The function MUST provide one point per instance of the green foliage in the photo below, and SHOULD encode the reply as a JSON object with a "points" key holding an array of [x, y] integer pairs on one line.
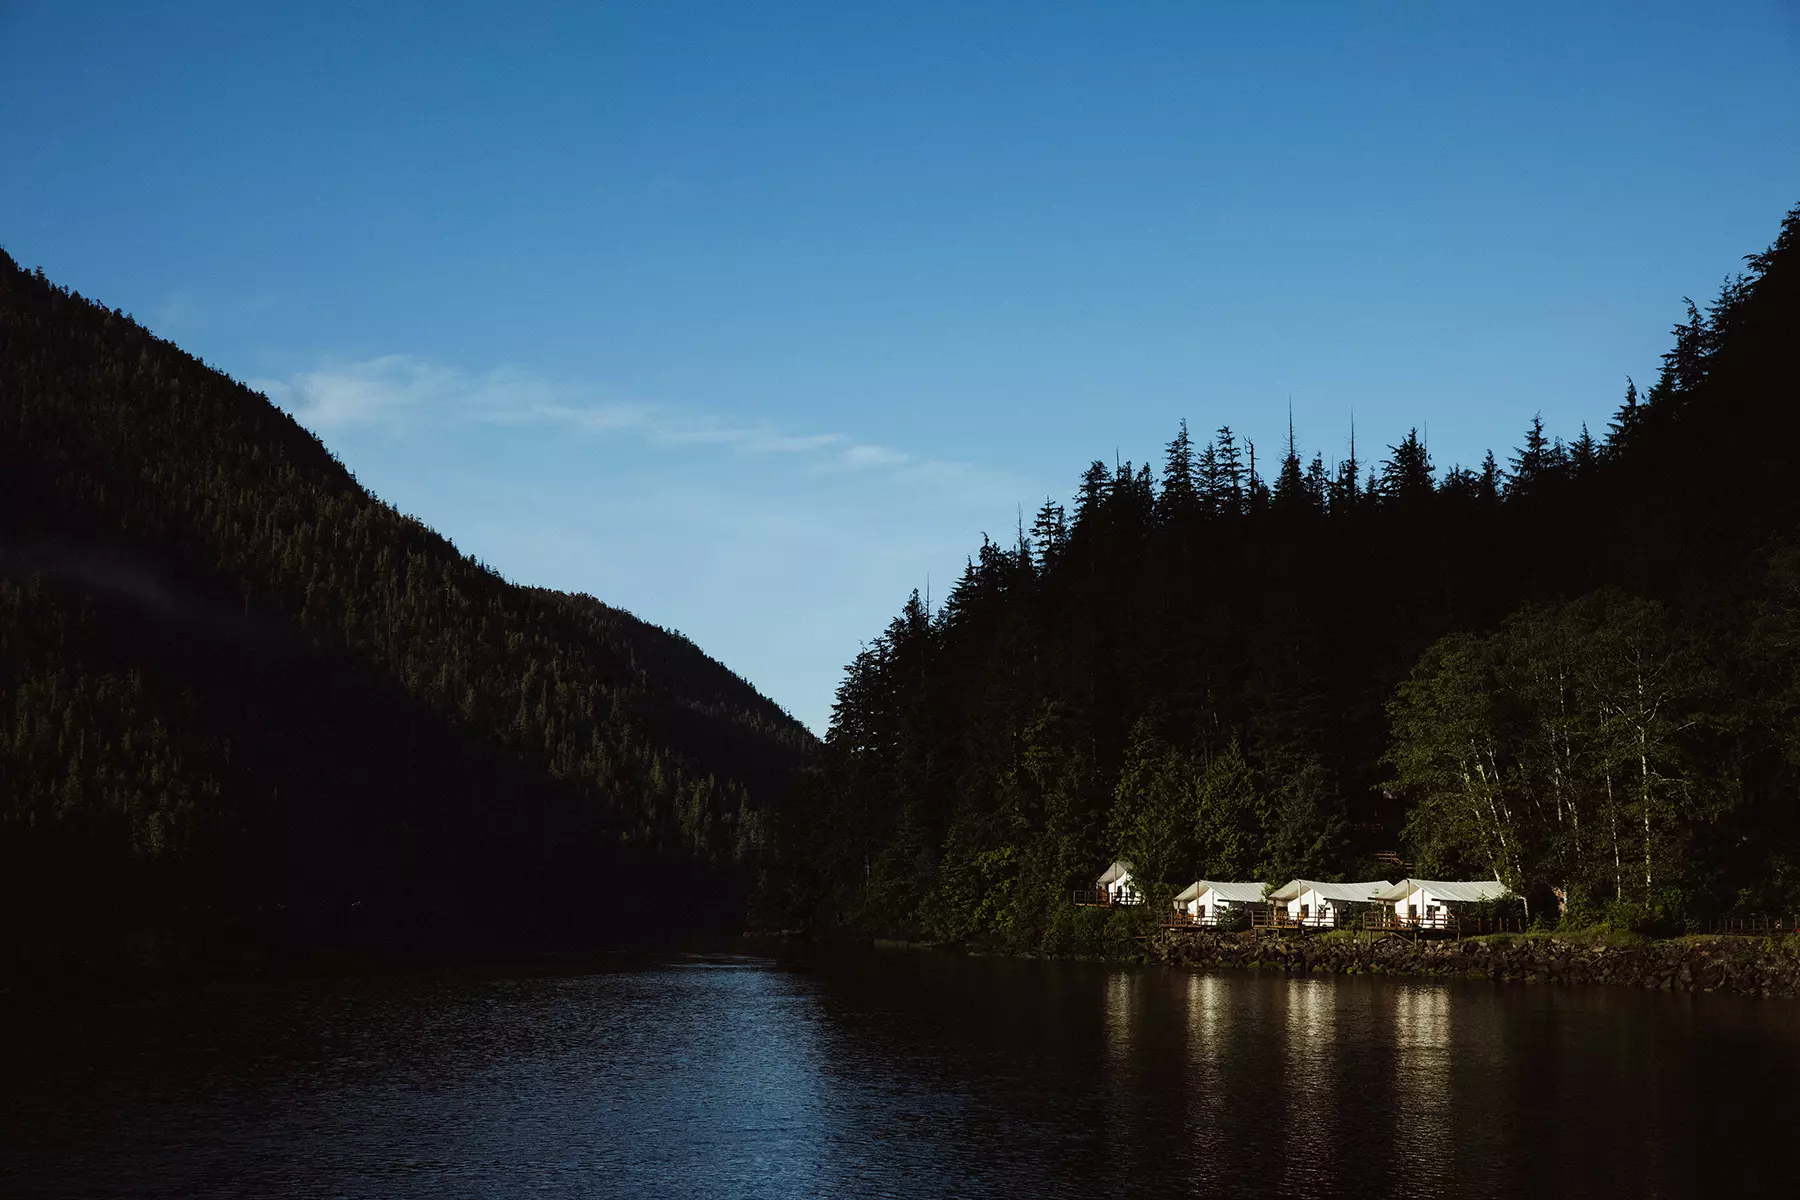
{"points": [[1577, 747], [1232, 819], [976, 895], [1153, 813]]}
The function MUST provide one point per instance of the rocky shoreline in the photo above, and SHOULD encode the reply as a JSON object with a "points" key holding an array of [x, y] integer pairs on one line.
{"points": [[1754, 966]]}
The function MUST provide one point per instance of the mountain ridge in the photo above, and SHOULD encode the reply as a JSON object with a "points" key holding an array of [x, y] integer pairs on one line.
{"points": [[167, 536]]}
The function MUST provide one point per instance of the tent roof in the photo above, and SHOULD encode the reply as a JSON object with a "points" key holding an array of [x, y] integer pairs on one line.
{"points": [[1114, 873], [1344, 892], [1190, 892], [1471, 889], [1237, 893]]}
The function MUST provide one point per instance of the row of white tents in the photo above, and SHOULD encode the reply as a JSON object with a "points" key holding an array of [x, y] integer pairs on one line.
{"points": [[1312, 902]]}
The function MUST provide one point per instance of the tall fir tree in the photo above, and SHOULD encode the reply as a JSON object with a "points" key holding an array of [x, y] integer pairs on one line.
{"points": [[1406, 477], [1290, 483], [1179, 502], [1532, 462], [1625, 421], [1230, 468], [1049, 533]]}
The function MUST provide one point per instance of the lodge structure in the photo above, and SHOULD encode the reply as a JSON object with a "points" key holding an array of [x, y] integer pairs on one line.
{"points": [[1215, 902]]}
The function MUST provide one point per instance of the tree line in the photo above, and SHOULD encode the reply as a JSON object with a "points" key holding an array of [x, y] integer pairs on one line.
{"points": [[1571, 670]]}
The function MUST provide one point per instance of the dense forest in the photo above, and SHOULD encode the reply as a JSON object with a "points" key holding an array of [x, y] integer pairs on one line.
{"points": [[232, 682], [1577, 671]]}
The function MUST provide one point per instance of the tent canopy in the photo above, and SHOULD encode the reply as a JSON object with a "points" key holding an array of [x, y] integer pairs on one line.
{"points": [[1236, 893], [1114, 873], [1343, 893], [1454, 890]]}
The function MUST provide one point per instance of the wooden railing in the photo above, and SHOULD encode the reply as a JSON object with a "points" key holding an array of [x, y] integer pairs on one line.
{"points": [[1231, 919], [1384, 920], [1278, 917], [1105, 898], [1445, 921]]}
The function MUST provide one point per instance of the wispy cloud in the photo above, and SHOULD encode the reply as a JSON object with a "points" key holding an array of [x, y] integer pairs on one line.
{"points": [[398, 390], [864, 455], [808, 536]]}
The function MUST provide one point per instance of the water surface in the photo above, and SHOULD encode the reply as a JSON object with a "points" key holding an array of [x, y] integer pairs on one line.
{"points": [[900, 1074]]}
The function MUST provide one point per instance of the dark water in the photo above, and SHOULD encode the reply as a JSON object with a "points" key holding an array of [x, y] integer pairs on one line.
{"points": [[902, 1075]]}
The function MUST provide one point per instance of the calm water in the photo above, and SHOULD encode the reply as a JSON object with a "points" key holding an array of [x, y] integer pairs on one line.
{"points": [[901, 1075]]}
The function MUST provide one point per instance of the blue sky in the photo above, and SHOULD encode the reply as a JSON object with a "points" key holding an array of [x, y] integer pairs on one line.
{"points": [[752, 317]]}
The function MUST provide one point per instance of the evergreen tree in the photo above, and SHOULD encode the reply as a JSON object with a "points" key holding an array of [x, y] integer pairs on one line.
{"points": [[1406, 477], [1461, 484], [1584, 454], [1091, 501], [1211, 484], [1230, 473], [1290, 484], [1256, 492], [1317, 484], [1533, 461], [1049, 533], [1488, 489], [1231, 819], [1685, 365], [1344, 494], [1151, 810], [1625, 421], [1179, 503]]}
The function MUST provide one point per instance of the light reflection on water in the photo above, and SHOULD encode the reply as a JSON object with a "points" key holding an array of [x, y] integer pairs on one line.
{"points": [[1311, 1098], [896, 1074], [1424, 1100]]}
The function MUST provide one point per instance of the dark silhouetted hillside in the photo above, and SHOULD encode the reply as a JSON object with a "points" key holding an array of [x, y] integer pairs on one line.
{"points": [[231, 681]]}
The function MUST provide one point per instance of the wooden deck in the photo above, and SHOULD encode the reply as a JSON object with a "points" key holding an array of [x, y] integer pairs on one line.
{"points": [[1184, 921], [1278, 920], [1384, 921]]}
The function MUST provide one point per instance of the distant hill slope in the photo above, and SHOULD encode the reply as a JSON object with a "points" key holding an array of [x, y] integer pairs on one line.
{"points": [[231, 677]]}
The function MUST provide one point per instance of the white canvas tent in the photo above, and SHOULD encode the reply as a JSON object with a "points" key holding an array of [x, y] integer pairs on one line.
{"points": [[1116, 886], [1314, 903], [1427, 901], [1206, 900]]}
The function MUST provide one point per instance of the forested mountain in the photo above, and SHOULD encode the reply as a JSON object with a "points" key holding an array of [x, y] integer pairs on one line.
{"points": [[1573, 670], [232, 680]]}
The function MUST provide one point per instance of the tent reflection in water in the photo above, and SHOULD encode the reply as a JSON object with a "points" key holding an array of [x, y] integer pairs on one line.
{"points": [[1315, 904], [1434, 903], [1212, 901]]}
